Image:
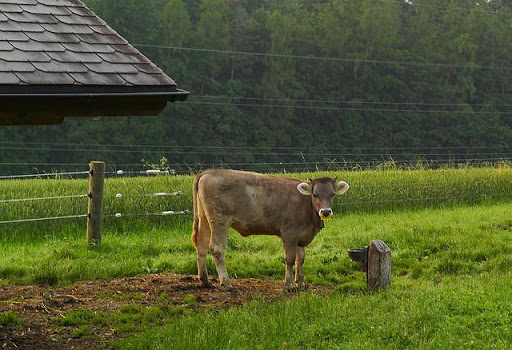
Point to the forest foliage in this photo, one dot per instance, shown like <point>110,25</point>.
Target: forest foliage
<point>302,83</point>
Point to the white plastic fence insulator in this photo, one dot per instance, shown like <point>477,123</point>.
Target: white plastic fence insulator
<point>162,194</point>
<point>119,172</point>
<point>118,215</point>
<point>157,171</point>
<point>119,195</point>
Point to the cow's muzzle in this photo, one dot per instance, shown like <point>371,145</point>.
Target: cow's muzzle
<point>325,214</point>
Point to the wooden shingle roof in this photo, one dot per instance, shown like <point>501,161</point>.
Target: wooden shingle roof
<point>59,55</point>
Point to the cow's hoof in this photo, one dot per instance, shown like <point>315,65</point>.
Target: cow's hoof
<point>292,289</point>
<point>205,283</point>
<point>302,287</point>
<point>227,288</point>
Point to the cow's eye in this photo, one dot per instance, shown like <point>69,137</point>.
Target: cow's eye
<point>332,195</point>
<point>315,195</point>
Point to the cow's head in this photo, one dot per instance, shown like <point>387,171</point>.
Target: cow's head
<point>322,191</point>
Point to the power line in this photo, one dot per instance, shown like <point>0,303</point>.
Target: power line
<point>411,3</point>
<point>332,59</point>
<point>159,147</point>
<point>300,152</point>
<point>353,102</point>
<point>339,108</point>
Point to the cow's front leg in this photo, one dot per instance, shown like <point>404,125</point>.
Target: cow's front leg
<point>290,251</point>
<point>299,274</point>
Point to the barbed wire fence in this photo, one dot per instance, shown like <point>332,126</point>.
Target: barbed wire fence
<point>95,195</point>
<point>370,196</point>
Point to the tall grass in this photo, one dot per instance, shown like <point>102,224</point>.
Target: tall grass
<point>371,191</point>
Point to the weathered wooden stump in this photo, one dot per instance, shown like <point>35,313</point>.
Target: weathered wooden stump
<point>379,265</point>
<point>375,260</point>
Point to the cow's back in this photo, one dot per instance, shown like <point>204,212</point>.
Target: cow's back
<point>252,203</point>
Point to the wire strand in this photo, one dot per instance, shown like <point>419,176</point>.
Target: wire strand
<point>6,177</point>
<point>327,58</point>
<point>42,198</point>
<point>44,219</point>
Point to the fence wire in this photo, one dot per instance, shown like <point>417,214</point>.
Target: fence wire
<point>45,219</point>
<point>11,177</point>
<point>41,198</point>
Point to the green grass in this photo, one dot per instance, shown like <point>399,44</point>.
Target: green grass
<point>449,231</point>
<point>451,287</point>
<point>473,313</point>
<point>10,319</point>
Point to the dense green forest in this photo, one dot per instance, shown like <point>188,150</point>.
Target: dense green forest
<point>302,84</point>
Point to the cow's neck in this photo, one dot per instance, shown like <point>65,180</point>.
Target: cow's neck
<point>318,222</point>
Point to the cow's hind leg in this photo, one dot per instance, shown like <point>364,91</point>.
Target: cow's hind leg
<point>299,274</point>
<point>202,243</point>
<point>218,245</point>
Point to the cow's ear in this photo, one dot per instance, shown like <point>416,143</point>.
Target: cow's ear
<point>304,188</point>
<point>342,187</point>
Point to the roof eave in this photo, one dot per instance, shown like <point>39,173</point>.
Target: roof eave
<point>48,108</point>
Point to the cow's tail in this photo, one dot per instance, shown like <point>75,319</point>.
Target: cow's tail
<point>195,224</point>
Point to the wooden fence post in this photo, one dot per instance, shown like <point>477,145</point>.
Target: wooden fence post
<point>95,220</point>
<point>379,265</point>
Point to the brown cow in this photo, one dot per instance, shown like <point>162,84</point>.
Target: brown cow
<point>254,203</point>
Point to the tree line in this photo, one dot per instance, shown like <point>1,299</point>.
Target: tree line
<point>305,82</point>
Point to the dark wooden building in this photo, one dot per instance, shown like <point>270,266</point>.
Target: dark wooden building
<point>58,59</point>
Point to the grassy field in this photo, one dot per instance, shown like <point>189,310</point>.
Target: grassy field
<point>449,231</point>
<point>451,289</point>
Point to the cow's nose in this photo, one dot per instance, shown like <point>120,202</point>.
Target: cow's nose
<point>325,213</point>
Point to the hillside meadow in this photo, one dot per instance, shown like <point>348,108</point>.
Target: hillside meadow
<point>449,231</point>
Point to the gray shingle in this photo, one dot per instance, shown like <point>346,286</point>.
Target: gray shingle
<point>26,2</point>
<point>38,77</point>
<point>9,78</point>
<point>85,47</point>
<point>48,37</point>
<point>73,57</point>
<point>56,67</point>
<point>99,79</point>
<point>96,38</point>
<point>12,26</point>
<point>67,28</point>
<point>14,36</point>
<point>38,46</point>
<point>4,7</point>
<point>5,46</point>
<point>146,79</point>
<point>105,67</point>
<point>83,20</point>
<point>25,17</point>
<point>24,56</point>
<point>42,9</point>
<point>16,67</point>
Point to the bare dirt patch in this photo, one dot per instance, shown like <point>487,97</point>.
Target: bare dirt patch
<point>41,307</point>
